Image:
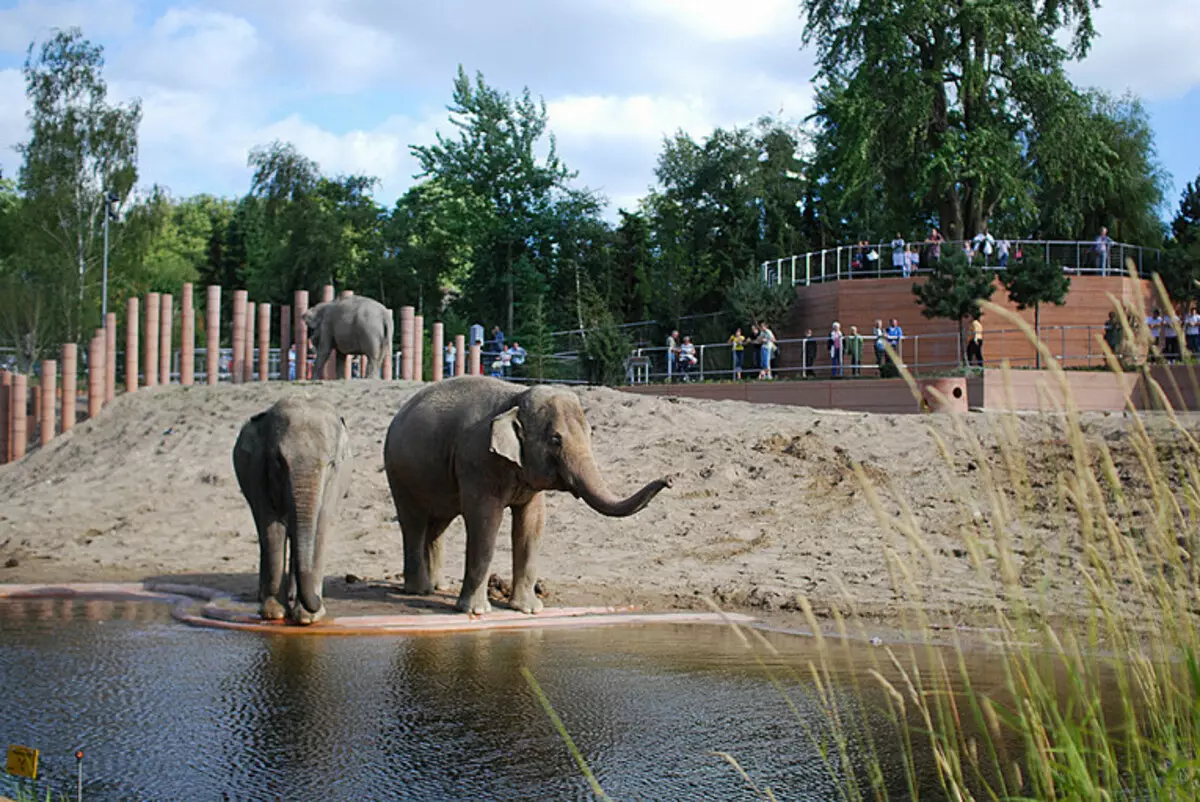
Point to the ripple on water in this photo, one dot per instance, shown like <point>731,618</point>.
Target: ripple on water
<point>165,711</point>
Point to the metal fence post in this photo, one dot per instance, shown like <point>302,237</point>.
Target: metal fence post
<point>701,363</point>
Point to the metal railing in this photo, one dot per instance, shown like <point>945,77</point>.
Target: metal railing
<point>880,260</point>
<point>1071,346</point>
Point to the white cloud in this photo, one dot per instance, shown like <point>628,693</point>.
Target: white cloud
<point>640,119</point>
<point>31,20</point>
<point>721,20</point>
<point>1148,46</point>
<point>339,55</point>
<point>196,50</point>
<point>13,125</point>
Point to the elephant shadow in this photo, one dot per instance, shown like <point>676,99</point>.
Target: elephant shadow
<point>362,597</point>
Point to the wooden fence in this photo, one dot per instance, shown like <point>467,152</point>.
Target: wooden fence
<point>49,407</point>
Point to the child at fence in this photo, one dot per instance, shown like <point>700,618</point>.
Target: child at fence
<point>738,343</point>
<point>854,349</point>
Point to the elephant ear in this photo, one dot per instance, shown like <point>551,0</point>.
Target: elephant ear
<point>506,436</point>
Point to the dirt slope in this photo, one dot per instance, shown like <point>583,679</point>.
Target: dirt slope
<point>765,503</point>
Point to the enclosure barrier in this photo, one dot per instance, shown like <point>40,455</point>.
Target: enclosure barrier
<point>46,404</point>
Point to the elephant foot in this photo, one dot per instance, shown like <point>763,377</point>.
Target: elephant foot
<point>272,610</point>
<point>419,588</point>
<point>526,602</point>
<point>474,605</point>
<point>303,617</point>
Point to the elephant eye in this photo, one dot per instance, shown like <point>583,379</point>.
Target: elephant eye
<point>556,439</point>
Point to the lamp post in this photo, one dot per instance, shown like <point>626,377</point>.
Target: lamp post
<point>110,213</point>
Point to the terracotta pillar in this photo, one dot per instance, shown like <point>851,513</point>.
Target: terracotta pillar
<point>110,358</point>
<point>460,354</point>
<point>164,347</point>
<point>131,345</point>
<point>300,333</point>
<point>70,384</point>
<point>239,335</point>
<point>436,350</point>
<point>18,407</point>
<point>6,380</point>
<point>406,342</point>
<point>49,388</point>
<point>419,348</point>
<point>386,368</point>
<point>285,340</point>
<point>212,333</point>
<point>96,372</point>
<point>151,335</point>
<point>330,371</point>
<point>473,364</point>
<point>264,342</point>
<point>187,337</point>
<point>248,343</point>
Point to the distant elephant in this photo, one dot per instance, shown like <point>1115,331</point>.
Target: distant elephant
<point>293,465</point>
<point>353,325</point>
<point>474,445</point>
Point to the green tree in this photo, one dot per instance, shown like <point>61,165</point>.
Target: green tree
<point>750,300</point>
<point>1181,263</point>
<point>961,112</point>
<point>81,147</point>
<point>1032,281</point>
<point>953,290</point>
<point>494,165</point>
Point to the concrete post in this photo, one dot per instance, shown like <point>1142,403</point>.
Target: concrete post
<point>300,333</point>
<point>6,379</point>
<point>96,373</point>
<point>187,336</point>
<point>165,321</point>
<point>264,342</point>
<point>110,358</point>
<point>330,371</point>
<point>150,367</point>
<point>460,354</point>
<point>406,342</point>
<point>473,365</point>
<point>70,384</point>
<point>285,340</point>
<point>418,348</point>
<point>212,333</point>
<point>131,345</point>
<point>18,404</point>
<point>248,343</point>
<point>436,349</point>
<point>48,390</point>
<point>239,335</point>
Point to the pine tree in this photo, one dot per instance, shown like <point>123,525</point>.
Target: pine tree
<point>954,289</point>
<point>1032,281</point>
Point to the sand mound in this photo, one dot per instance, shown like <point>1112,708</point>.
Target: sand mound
<point>765,503</point>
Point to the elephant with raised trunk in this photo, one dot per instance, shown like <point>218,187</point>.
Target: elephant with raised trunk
<point>473,446</point>
<point>293,465</point>
<point>355,325</point>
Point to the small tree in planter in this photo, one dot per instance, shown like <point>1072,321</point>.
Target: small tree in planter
<point>1032,281</point>
<point>953,291</point>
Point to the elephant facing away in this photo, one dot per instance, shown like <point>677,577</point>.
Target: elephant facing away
<point>355,325</point>
<point>474,445</point>
<point>293,465</point>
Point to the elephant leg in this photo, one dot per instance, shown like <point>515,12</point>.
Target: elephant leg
<point>273,591</point>
<point>435,553</point>
<point>527,523</point>
<point>483,522</point>
<point>413,526</point>
<point>323,349</point>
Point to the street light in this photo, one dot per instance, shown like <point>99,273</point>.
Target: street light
<point>110,213</point>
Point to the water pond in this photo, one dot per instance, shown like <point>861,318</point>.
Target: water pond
<point>167,711</point>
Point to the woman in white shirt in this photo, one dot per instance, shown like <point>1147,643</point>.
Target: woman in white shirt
<point>835,349</point>
<point>1191,330</point>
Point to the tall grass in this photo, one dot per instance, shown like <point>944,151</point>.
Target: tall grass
<point>1100,700</point>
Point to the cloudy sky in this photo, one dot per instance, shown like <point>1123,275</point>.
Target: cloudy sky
<point>354,82</point>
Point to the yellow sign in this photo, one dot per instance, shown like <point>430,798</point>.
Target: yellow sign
<point>22,761</point>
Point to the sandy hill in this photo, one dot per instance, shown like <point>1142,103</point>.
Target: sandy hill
<point>765,502</point>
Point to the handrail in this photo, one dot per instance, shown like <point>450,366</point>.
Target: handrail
<point>855,262</point>
<point>944,351</point>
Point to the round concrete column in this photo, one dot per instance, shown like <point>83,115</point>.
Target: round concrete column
<point>474,367</point>
<point>150,366</point>
<point>460,354</point>
<point>406,342</point>
<point>165,323</point>
<point>264,342</point>
<point>131,345</point>
<point>70,384</point>
<point>212,334</point>
<point>248,343</point>
<point>386,369</point>
<point>187,336</point>
<point>300,333</point>
<point>418,348</point>
<point>19,410</point>
<point>436,348</point>
<point>49,389</point>
<point>285,340</point>
<point>95,374</point>
<point>239,335</point>
<point>110,357</point>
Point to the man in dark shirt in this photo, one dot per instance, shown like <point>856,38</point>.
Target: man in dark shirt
<point>810,353</point>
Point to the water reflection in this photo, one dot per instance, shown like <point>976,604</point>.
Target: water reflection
<point>170,712</point>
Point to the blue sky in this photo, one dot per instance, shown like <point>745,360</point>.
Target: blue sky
<point>354,82</point>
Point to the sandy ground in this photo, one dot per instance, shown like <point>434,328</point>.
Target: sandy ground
<point>765,505</point>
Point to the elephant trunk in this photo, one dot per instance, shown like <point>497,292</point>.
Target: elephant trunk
<point>590,486</point>
<point>307,494</point>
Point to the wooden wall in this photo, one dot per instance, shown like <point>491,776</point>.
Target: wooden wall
<point>860,301</point>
